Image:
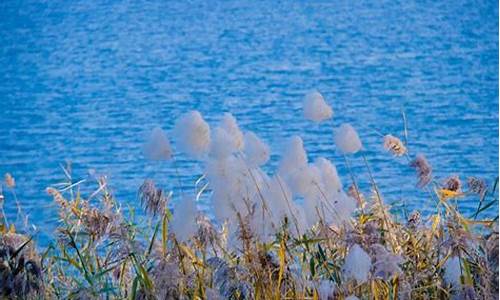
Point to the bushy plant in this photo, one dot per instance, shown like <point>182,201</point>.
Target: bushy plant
<point>299,233</point>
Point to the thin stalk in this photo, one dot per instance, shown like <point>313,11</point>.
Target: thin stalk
<point>329,207</point>
<point>483,196</point>
<point>379,198</point>
<point>356,187</point>
<point>295,221</point>
<point>405,128</point>
<point>426,188</point>
<point>374,185</point>
<point>2,198</point>
<point>177,174</point>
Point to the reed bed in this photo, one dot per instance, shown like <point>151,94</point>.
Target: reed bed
<point>296,234</point>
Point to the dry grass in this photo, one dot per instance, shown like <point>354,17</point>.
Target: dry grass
<point>101,253</point>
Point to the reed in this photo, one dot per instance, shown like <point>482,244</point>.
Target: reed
<point>292,235</point>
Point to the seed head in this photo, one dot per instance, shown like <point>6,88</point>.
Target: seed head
<point>95,222</point>
<point>386,264</point>
<point>394,145</point>
<point>206,231</point>
<point>424,170</point>
<point>346,139</point>
<point>357,264</point>
<point>315,107</point>
<point>453,184</point>
<point>10,181</point>
<point>153,199</point>
<point>157,147</point>
<point>414,219</point>
<point>192,134</point>
<point>477,186</point>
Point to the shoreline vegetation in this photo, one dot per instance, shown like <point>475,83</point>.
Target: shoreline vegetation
<point>298,233</point>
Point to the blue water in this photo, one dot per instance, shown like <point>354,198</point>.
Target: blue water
<point>85,81</point>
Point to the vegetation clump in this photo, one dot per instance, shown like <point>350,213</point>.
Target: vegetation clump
<point>299,233</point>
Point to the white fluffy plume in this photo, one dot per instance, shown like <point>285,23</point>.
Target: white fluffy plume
<point>278,197</point>
<point>256,151</point>
<point>227,138</point>
<point>279,201</point>
<point>157,146</point>
<point>326,289</point>
<point>343,207</point>
<point>235,187</point>
<point>222,144</point>
<point>295,157</point>
<point>357,264</point>
<point>336,210</point>
<point>315,107</point>
<point>229,124</point>
<point>318,184</point>
<point>329,175</point>
<point>224,176</point>
<point>306,181</point>
<point>239,185</point>
<point>184,223</point>
<point>303,179</point>
<point>347,139</point>
<point>192,134</point>
<point>339,206</point>
<point>321,189</point>
<point>452,271</point>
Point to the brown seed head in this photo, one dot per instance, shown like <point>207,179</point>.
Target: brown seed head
<point>453,183</point>
<point>153,199</point>
<point>10,181</point>
<point>95,222</point>
<point>477,186</point>
<point>414,219</point>
<point>424,170</point>
<point>394,145</point>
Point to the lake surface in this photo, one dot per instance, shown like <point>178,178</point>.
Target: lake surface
<point>86,80</point>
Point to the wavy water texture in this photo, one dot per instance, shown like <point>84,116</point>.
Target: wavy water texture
<point>86,81</point>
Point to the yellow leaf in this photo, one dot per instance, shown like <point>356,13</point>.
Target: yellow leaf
<point>164,234</point>
<point>75,211</point>
<point>435,222</point>
<point>74,207</point>
<point>445,194</point>
<point>477,222</point>
<point>466,272</point>
<point>189,253</point>
<point>12,228</point>
<point>363,218</point>
<point>282,267</point>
